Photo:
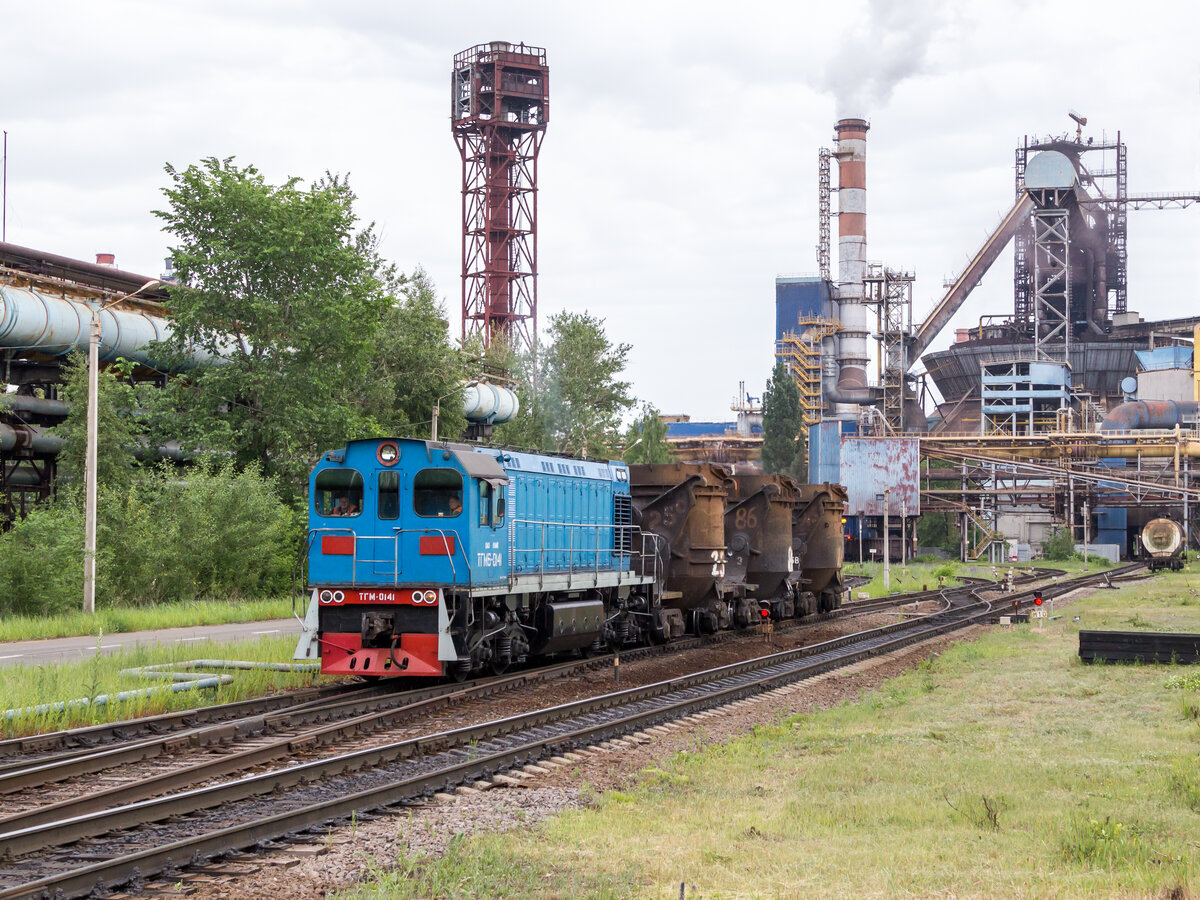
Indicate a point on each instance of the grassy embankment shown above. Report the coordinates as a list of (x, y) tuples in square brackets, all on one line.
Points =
[(26, 686), (913, 577), (1003, 768), (110, 620)]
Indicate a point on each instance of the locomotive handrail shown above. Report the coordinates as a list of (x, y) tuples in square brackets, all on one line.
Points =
[(572, 566), (576, 561), (301, 559), (442, 533), (395, 540), (353, 557)]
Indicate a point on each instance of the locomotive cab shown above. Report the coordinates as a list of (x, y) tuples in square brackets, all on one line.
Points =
[(397, 528)]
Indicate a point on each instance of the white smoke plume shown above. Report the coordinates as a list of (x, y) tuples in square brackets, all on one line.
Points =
[(872, 61)]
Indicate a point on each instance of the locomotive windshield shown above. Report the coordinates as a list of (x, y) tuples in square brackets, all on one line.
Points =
[(438, 493), (338, 492), (389, 494)]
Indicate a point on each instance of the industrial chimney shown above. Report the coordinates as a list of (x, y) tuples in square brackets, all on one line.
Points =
[(851, 154)]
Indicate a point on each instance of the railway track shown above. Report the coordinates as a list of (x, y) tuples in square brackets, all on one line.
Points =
[(69, 753), (152, 765), (48, 855)]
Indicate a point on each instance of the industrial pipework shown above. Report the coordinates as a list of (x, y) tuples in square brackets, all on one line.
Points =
[(1138, 414), (851, 154), (54, 326)]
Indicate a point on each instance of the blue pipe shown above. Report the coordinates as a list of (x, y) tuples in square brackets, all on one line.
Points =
[(180, 681)]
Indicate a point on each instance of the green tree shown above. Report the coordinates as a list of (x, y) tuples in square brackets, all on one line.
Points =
[(646, 439), (117, 432), (580, 397), (415, 364), (517, 369), (284, 285), (785, 439)]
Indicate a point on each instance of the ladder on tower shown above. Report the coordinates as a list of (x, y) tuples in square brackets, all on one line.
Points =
[(800, 352)]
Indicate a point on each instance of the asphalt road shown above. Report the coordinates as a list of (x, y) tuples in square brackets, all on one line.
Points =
[(73, 649)]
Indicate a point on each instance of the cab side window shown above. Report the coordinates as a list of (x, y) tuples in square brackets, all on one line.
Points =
[(485, 501), (438, 493), (338, 493)]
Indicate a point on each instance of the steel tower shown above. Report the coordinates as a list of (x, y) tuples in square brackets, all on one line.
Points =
[(500, 106)]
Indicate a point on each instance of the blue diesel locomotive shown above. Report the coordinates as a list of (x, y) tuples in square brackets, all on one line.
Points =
[(430, 558), (438, 558)]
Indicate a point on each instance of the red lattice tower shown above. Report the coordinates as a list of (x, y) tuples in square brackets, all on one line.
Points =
[(500, 106)]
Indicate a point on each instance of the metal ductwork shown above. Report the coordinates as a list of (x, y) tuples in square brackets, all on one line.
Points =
[(30, 438), (1138, 414), (55, 326), (39, 441), (852, 355), (34, 406)]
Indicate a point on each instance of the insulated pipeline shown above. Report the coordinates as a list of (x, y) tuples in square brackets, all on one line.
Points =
[(55, 326)]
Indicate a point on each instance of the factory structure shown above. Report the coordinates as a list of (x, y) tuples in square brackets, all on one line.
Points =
[(499, 110), (1069, 411)]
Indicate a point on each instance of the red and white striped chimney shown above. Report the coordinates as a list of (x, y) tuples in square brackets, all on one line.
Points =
[(851, 155), (106, 259)]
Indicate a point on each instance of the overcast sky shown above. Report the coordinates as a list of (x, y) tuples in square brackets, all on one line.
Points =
[(678, 174)]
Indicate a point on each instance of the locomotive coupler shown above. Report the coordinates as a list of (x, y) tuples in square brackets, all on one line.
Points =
[(378, 629)]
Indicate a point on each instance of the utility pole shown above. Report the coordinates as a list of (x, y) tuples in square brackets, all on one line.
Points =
[(887, 556), (4, 194), (1086, 534), (89, 469)]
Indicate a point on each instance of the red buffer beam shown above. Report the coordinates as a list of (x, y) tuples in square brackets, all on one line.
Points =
[(500, 107)]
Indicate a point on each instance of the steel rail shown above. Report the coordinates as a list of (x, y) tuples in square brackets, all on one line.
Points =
[(89, 736), (87, 750), (459, 765), (55, 830), (681, 697), (26, 774), (229, 764), (821, 655)]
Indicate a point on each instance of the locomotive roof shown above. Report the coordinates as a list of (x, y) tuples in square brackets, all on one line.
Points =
[(490, 463)]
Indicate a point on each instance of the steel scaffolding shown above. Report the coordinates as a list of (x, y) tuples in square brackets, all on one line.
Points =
[(800, 352)]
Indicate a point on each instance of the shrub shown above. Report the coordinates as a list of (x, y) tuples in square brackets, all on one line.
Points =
[(215, 533), (41, 562), (1060, 545), (210, 532)]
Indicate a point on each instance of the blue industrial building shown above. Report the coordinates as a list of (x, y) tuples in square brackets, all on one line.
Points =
[(797, 296)]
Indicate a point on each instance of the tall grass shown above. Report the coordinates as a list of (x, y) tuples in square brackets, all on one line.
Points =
[(913, 577), (161, 538)]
